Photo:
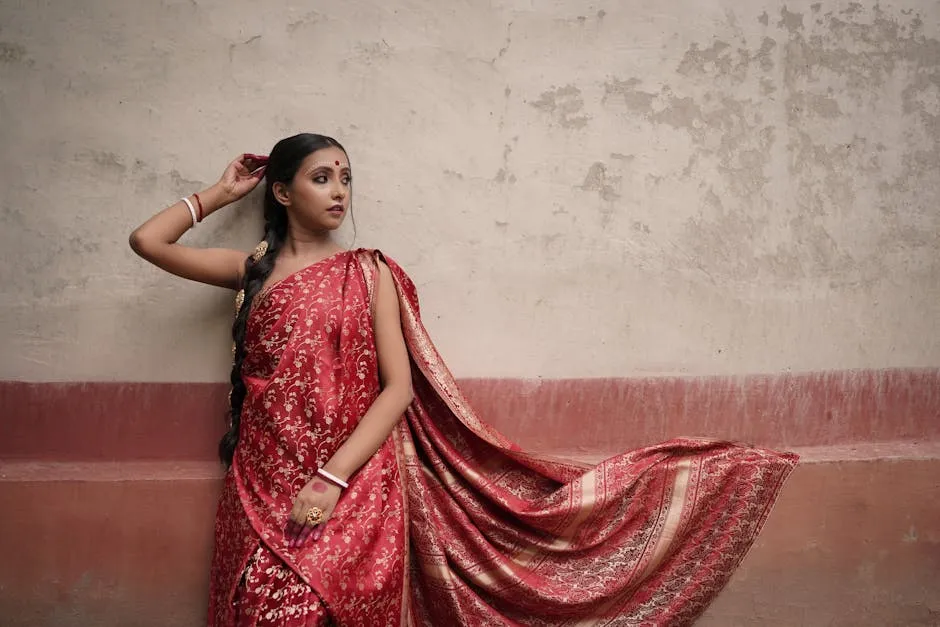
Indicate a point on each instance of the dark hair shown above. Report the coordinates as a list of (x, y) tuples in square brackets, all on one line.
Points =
[(283, 163)]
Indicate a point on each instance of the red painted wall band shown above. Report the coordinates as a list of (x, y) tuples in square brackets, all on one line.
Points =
[(112, 421)]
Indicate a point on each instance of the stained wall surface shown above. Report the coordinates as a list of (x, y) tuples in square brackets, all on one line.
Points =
[(594, 194), (578, 190)]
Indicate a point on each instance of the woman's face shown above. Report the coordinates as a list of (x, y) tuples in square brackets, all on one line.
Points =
[(318, 197)]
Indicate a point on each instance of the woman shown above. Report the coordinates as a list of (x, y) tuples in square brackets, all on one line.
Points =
[(334, 510)]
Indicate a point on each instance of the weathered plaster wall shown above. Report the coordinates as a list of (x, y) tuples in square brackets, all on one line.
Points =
[(578, 189)]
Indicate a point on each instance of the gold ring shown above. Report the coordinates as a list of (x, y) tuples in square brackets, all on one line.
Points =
[(314, 516)]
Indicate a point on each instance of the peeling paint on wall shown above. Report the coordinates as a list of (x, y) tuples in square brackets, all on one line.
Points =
[(563, 104), (685, 188)]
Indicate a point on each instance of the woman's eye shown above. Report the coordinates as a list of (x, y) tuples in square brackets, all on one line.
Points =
[(347, 180), (320, 180)]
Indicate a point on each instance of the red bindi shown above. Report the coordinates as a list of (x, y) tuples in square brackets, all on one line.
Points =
[(337, 163)]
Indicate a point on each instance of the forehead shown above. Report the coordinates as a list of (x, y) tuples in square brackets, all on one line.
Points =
[(325, 157)]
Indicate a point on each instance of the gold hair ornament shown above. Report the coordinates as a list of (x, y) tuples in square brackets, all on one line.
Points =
[(260, 250)]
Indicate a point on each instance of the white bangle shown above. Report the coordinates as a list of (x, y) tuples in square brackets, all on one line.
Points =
[(192, 210), (332, 478)]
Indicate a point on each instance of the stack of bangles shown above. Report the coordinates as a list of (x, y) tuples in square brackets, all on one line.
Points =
[(197, 215), (315, 514)]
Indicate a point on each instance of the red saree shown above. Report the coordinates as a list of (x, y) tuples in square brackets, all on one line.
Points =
[(450, 523)]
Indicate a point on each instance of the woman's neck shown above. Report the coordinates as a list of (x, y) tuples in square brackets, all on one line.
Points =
[(310, 245)]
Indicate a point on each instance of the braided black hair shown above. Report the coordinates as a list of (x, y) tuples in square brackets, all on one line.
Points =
[(283, 163)]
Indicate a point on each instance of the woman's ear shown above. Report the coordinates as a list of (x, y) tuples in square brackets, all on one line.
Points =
[(281, 193)]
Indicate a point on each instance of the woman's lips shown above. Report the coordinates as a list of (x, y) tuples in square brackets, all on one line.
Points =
[(336, 209)]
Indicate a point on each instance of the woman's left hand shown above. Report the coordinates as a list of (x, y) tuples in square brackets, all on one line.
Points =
[(317, 493)]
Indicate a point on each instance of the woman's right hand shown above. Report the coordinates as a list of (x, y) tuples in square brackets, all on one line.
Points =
[(242, 175)]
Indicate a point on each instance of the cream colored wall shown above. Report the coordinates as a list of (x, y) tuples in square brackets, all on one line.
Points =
[(577, 189)]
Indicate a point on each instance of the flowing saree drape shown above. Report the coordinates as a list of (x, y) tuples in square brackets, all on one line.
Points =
[(449, 523)]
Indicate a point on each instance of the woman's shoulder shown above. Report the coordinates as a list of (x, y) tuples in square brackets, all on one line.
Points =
[(385, 265), (377, 257)]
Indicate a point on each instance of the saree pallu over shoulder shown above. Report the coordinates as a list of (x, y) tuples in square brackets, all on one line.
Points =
[(503, 537)]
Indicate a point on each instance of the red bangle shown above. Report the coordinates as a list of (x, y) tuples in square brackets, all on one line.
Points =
[(199, 203)]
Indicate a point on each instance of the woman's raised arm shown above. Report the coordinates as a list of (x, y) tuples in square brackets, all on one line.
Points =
[(155, 240)]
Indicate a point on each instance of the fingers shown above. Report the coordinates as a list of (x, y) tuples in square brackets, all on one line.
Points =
[(261, 159), (298, 514), (296, 519), (291, 531), (297, 531), (253, 163), (310, 534), (302, 534), (248, 166), (240, 168), (302, 531), (305, 535)]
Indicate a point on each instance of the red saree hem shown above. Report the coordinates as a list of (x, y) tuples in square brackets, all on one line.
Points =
[(271, 594)]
